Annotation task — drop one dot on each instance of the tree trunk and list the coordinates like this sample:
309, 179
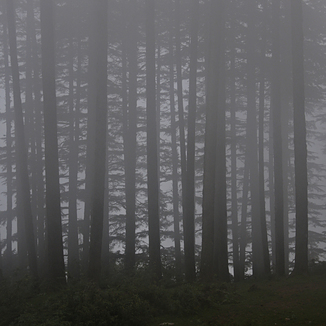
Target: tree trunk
152, 164
9, 172
277, 136
21, 152
56, 267
189, 219
251, 144
300, 145
97, 196
130, 143
175, 175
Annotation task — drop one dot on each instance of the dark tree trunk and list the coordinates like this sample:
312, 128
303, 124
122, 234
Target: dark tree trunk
251, 144
130, 130
9, 172
73, 255
212, 99
261, 143
220, 210
233, 122
277, 136
175, 175
21, 152
300, 145
97, 196
180, 109
152, 159
189, 219
56, 267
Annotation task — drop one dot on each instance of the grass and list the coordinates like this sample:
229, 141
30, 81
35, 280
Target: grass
299, 300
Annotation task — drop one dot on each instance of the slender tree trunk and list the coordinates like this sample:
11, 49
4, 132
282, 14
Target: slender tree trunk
90, 141
251, 145
175, 175
277, 136
233, 121
152, 164
300, 145
189, 225
21, 153
97, 196
38, 130
261, 143
130, 125
73, 257
207, 257
181, 110
220, 210
56, 267
9, 172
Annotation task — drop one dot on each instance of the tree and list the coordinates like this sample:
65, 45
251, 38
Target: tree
189, 218
300, 145
97, 196
277, 142
152, 157
130, 129
209, 182
56, 267
21, 151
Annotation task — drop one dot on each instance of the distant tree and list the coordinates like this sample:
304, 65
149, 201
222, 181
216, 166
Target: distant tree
300, 144
56, 267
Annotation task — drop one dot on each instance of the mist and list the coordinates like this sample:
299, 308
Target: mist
181, 137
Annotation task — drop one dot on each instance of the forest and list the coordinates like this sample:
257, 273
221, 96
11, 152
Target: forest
183, 139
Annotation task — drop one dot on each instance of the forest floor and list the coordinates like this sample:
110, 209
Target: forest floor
299, 300
125, 301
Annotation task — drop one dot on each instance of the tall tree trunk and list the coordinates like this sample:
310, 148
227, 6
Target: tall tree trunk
53, 210
261, 142
189, 220
220, 210
277, 136
90, 141
175, 175
251, 144
21, 152
97, 196
152, 164
73, 256
233, 122
38, 130
300, 145
130, 130
207, 257
181, 109
9, 172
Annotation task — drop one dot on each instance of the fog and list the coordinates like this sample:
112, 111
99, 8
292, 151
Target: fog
180, 136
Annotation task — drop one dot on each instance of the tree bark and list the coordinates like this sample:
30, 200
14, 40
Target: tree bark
152, 159
97, 196
21, 152
300, 145
56, 267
